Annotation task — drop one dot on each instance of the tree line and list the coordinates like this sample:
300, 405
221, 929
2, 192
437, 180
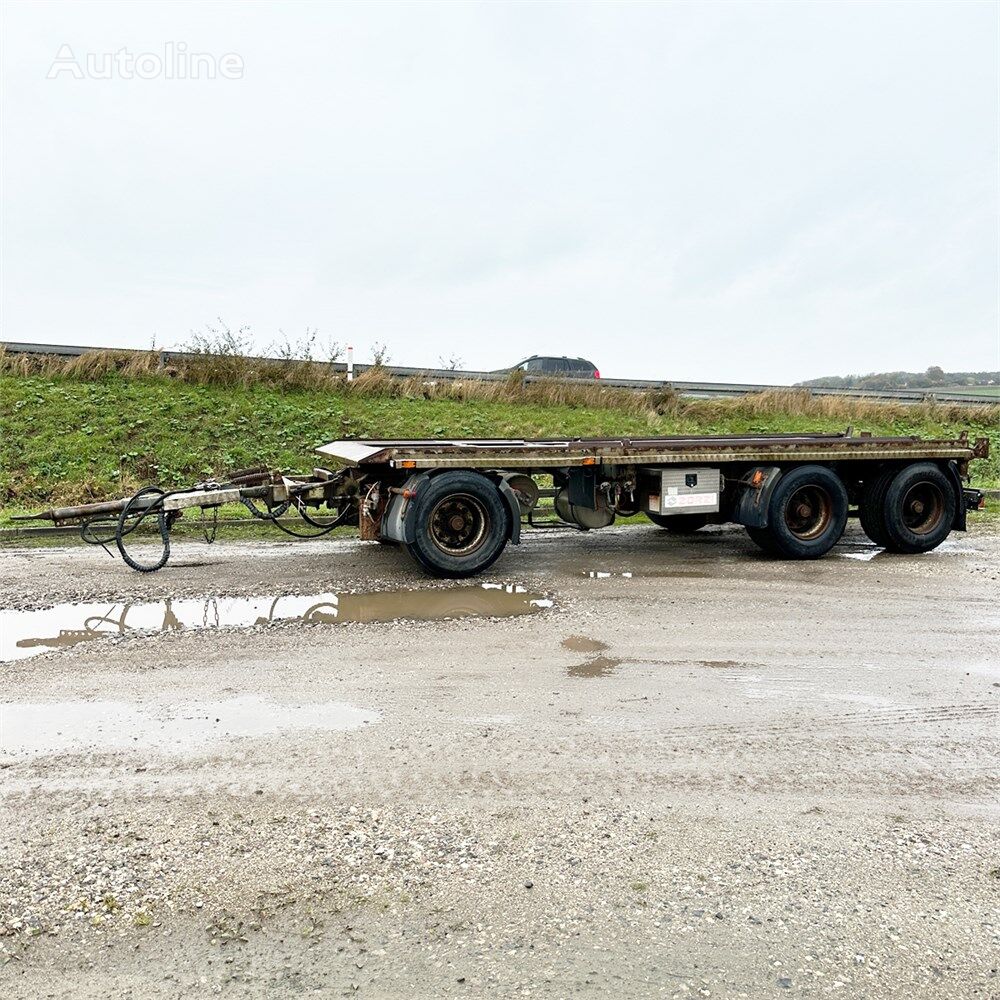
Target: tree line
933, 377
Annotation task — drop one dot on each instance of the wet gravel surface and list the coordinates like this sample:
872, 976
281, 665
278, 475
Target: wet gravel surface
699, 773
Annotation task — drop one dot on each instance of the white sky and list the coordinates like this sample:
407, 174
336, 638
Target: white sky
740, 192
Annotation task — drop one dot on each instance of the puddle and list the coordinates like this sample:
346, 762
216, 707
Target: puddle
653, 574
581, 644
596, 666
865, 555
599, 665
48, 727
865, 552
26, 633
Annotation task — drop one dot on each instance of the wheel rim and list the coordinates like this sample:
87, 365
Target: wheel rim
459, 524
809, 512
923, 507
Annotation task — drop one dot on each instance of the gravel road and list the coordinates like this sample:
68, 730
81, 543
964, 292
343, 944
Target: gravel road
698, 772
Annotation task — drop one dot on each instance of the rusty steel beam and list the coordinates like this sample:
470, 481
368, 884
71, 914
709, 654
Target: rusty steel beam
83, 510
648, 451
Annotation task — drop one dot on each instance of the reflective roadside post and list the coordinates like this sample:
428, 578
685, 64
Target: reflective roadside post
350, 363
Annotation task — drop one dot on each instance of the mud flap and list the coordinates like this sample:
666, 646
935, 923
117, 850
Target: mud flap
582, 487
959, 524
756, 488
514, 506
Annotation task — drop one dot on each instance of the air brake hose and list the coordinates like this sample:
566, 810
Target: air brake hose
161, 519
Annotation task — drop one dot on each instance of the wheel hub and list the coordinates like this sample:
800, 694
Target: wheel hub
808, 512
923, 508
459, 524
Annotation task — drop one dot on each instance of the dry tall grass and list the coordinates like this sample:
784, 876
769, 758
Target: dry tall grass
236, 369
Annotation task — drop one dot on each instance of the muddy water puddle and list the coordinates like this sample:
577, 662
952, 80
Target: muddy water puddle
597, 665
28, 729
27, 633
581, 644
652, 574
863, 551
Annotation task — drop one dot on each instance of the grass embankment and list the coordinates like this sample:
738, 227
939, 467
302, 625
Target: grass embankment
78, 432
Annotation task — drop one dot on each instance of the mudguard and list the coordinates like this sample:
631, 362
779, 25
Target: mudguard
394, 525
397, 528
756, 488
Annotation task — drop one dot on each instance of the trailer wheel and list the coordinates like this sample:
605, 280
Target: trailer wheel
461, 524
919, 508
763, 539
680, 524
871, 510
807, 513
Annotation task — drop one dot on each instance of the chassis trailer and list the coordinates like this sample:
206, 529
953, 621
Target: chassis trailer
454, 505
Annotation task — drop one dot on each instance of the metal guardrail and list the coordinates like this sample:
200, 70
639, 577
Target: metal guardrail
697, 390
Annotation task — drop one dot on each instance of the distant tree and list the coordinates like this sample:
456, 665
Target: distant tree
934, 376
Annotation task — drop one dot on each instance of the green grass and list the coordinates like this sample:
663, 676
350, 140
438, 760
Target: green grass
970, 390
75, 439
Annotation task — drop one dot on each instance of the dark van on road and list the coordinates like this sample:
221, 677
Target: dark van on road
557, 367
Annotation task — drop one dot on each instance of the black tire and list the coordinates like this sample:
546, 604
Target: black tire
763, 539
462, 524
807, 512
679, 524
871, 510
919, 508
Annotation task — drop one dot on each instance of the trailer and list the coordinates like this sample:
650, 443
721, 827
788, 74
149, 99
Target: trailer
455, 505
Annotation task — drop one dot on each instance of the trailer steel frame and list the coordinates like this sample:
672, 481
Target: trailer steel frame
478, 491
